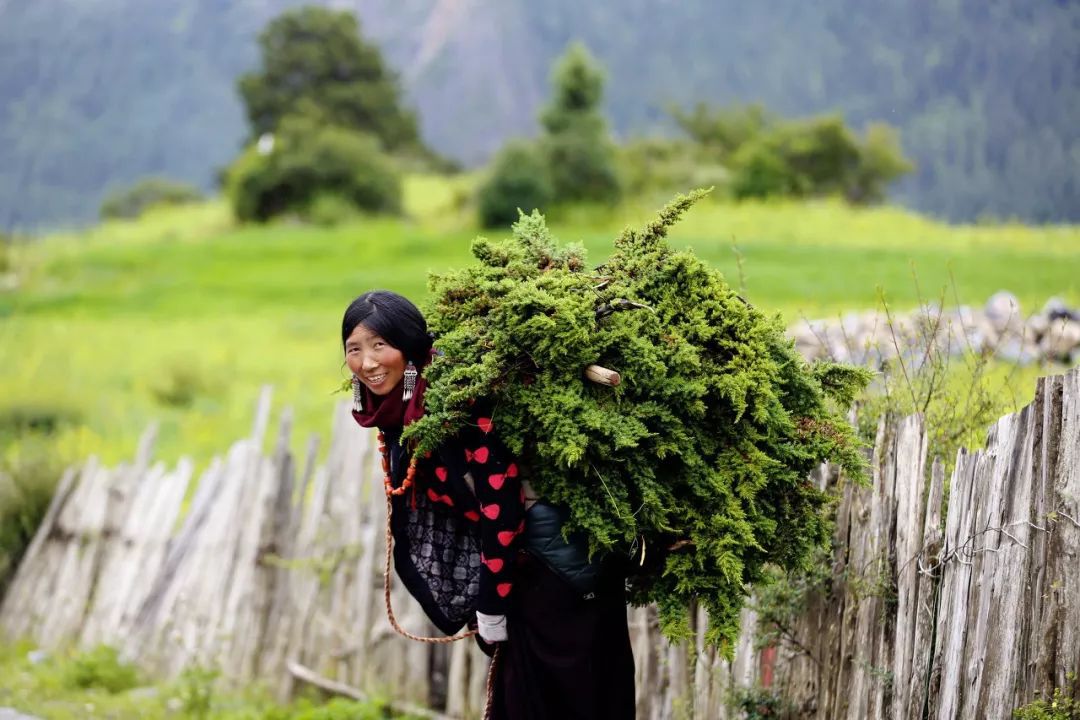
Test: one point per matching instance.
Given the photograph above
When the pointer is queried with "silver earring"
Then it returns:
(357, 395)
(410, 382)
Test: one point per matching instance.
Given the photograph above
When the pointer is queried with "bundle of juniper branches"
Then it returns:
(702, 453)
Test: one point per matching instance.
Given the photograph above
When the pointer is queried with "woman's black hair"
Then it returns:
(392, 317)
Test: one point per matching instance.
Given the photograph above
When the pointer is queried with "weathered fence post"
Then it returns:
(966, 615)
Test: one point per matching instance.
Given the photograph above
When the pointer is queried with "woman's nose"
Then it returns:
(369, 363)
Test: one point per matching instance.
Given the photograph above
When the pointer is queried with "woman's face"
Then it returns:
(378, 364)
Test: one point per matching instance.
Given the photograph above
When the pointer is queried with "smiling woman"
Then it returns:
(476, 547)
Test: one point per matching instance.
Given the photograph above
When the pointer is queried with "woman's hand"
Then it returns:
(491, 628)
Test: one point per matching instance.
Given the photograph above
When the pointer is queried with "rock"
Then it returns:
(1003, 311)
(1055, 309)
(1061, 341)
(1037, 325)
(1014, 348)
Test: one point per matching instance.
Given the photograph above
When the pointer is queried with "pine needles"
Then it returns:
(705, 446)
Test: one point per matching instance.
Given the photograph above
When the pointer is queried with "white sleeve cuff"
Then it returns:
(492, 628)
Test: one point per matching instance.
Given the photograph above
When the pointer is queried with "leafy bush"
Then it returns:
(196, 686)
(1062, 706)
(703, 447)
(518, 180)
(819, 156)
(579, 154)
(150, 192)
(315, 56)
(101, 668)
(306, 160)
(661, 165)
(724, 130)
(329, 209)
(958, 396)
(178, 385)
(25, 493)
(759, 703)
(29, 471)
(881, 160)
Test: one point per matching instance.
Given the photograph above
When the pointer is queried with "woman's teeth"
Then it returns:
(375, 380)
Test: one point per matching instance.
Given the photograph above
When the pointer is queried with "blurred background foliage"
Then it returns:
(985, 95)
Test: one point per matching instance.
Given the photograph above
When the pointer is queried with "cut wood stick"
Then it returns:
(602, 376)
(338, 688)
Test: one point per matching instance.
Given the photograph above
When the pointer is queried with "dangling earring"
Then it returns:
(357, 395)
(410, 382)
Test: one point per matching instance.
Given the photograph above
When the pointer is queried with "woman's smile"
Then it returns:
(378, 364)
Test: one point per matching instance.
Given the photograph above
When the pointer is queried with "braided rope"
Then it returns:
(433, 640)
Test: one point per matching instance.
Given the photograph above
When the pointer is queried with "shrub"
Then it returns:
(881, 161)
(180, 382)
(758, 703)
(150, 192)
(518, 181)
(307, 160)
(582, 163)
(1062, 706)
(723, 130)
(329, 209)
(579, 154)
(25, 492)
(196, 685)
(101, 668)
(660, 165)
(818, 157)
(29, 471)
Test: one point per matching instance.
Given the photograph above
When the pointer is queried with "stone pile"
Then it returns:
(999, 328)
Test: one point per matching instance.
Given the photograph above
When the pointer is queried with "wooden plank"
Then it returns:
(987, 561)
(922, 673)
(16, 609)
(1045, 454)
(909, 472)
(868, 561)
(1063, 566)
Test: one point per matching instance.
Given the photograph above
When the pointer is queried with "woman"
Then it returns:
(475, 546)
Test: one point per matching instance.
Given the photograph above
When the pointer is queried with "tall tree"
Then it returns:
(576, 143)
(314, 57)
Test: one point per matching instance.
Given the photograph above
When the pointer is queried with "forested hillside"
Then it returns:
(986, 93)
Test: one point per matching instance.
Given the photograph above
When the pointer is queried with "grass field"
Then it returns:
(180, 317)
(94, 684)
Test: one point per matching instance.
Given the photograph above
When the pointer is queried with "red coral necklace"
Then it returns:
(387, 482)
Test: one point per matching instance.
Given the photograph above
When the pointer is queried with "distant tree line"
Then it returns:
(329, 137)
(751, 153)
(985, 95)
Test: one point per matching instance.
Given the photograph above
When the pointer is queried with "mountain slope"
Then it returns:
(985, 92)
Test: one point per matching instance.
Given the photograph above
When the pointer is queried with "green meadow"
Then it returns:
(179, 318)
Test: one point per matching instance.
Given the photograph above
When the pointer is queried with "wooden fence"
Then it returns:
(275, 570)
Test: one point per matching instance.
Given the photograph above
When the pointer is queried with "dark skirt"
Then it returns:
(566, 658)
